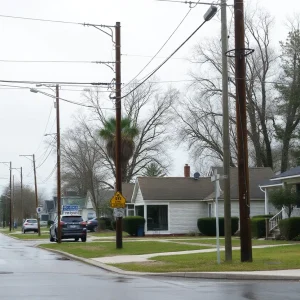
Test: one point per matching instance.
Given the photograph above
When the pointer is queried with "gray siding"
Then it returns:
(257, 207)
(183, 216)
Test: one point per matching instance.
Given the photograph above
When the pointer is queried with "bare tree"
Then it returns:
(149, 110)
(82, 163)
(202, 114)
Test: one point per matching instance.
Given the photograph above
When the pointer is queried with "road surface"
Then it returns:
(29, 273)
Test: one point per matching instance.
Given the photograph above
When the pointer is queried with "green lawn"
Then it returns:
(29, 236)
(98, 249)
(276, 258)
(235, 242)
(106, 234)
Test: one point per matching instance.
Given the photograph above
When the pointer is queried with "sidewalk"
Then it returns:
(103, 263)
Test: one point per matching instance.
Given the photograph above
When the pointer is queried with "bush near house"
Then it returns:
(113, 224)
(131, 224)
(258, 227)
(263, 216)
(207, 226)
(290, 228)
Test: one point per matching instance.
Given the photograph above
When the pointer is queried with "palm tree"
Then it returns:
(128, 133)
(154, 170)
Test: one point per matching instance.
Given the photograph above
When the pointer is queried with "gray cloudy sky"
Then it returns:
(146, 24)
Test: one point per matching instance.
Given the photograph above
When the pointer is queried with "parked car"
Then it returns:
(30, 225)
(92, 224)
(72, 227)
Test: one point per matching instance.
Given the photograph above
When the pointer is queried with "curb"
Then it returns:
(202, 275)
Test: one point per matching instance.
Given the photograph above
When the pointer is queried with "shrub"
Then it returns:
(207, 226)
(131, 224)
(263, 216)
(102, 224)
(49, 223)
(106, 223)
(258, 227)
(113, 224)
(290, 228)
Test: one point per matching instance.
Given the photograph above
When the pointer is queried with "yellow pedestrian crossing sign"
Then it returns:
(117, 201)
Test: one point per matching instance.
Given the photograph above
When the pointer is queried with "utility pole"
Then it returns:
(22, 208)
(241, 123)
(226, 139)
(119, 242)
(10, 196)
(36, 195)
(58, 166)
(12, 200)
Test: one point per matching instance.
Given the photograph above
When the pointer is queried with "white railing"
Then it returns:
(273, 222)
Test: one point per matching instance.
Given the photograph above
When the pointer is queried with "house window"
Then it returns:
(130, 210)
(139, 211)
(209, 210)
(157, 217)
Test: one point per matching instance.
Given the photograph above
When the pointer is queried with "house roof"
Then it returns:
(294, 172)
(175, 188)
(256, 177)
(127, 190)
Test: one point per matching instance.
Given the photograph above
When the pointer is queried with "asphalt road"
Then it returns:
(29, 273)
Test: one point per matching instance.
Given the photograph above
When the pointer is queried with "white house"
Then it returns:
(172, 205)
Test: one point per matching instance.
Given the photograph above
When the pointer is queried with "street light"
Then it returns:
(58, 154)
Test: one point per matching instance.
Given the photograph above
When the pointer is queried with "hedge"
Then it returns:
(263, 217)
(131, 224)
(258, 227)
(290, 228)
(207, 226)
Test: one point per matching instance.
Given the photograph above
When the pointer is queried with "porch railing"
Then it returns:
(273, 222)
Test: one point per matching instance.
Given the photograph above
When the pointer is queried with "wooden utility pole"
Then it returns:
(12, 200)
(10, 196)
(226, 139)
(119, 242)
(58, 166)
(22, 207)
(241, 123)
(36, 196)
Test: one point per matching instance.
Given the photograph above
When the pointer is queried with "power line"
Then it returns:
(54, 21)
(56, 82)
(55, 61)
(161, 46)
(17, 87)
(146, 56)
(49, 176)
(45, 128)
(156, 69)
(191, 2)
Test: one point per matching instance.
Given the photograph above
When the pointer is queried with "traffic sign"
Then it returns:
(118, 212)
(117, 201)
(39, 210)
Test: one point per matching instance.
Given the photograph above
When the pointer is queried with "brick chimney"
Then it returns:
(187, 171)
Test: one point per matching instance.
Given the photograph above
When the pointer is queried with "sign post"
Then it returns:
(215, 178)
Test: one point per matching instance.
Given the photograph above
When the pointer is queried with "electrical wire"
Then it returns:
(146, 56)
(164, 44)
(49, 176)
(45, 128)
(15, 87)
(55, 82)
(54, 21)
(52, 61)
(157, 68)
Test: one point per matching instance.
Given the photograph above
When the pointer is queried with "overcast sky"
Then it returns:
(146, 24)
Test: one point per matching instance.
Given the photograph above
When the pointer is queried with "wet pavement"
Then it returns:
(30, 273)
